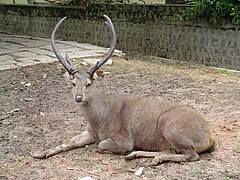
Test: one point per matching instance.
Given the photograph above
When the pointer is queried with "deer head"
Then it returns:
(82, 82)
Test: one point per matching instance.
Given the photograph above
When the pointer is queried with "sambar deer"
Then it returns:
(164, 130)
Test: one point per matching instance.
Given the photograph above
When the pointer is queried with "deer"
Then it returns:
(138, 127)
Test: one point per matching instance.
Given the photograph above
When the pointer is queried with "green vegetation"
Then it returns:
(226, 72)
(213, 10)
(236, 149)
(235, 13)
(70, 2)
(87, 2)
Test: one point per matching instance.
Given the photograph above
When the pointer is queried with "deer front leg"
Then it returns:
(188, 155)
(116, 146)
(146, 154)
(77, 141)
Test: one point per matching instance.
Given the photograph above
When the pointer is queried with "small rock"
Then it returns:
(85, 178)
(28, 84)
(106, 73)
(28, 99)
(42, 114)
(84, 63)
(44, 76)
(119, 53)
(139, 171)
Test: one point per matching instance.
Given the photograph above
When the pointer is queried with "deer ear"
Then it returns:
(67, 76)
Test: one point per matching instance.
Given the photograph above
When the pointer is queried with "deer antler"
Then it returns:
(92, 70)
(66, 62)
(68, 65)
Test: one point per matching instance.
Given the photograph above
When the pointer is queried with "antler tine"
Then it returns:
(92, 70)
(68, 65)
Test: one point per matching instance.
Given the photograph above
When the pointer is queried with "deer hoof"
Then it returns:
(156, 160)
(132, 155)
(38, 155)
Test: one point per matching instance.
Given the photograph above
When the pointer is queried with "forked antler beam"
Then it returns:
(92, 70)
(68, 65)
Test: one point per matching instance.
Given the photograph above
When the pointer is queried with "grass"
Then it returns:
(236, 149)
(228, 72)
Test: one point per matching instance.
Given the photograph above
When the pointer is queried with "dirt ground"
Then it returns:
(37, 112)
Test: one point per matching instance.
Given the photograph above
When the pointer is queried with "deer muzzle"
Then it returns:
(78, 98)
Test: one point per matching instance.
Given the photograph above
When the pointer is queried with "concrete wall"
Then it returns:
(141, 29)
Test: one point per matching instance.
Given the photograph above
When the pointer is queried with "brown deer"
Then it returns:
(164, 130)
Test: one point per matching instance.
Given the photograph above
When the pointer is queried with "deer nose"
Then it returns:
(78, 98)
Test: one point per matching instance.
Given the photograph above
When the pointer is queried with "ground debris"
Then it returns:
(85, 178)
(29, 129)
(28, 99)
(26, 84)
(14, 110)
(139, 171)
(4, 116)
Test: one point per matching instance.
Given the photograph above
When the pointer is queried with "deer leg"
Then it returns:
(115, 147)
(188, 155)
(145, 154)
(77, 141)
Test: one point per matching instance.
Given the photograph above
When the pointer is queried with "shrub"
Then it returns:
(213, 10)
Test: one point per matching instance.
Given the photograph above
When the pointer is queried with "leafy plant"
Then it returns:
(213, 10)
(85, 2)
(70, 2)
(236, 149)
(236, 14)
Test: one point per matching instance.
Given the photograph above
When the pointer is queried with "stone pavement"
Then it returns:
(19, 51)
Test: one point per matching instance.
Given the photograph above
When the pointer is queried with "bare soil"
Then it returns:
(40, 115)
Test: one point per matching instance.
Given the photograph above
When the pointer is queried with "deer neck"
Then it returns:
(94, 108)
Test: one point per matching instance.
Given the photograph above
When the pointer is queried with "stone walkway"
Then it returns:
(19, 51)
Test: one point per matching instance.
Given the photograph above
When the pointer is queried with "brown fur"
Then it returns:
(161, 129)
(122, 123)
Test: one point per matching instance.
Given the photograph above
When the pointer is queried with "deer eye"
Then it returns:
(74, 84)
(88, 85)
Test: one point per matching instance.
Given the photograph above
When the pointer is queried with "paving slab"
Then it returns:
(39, 51)
(13, 46)
(45, 58)
(27, 61)
(5, 58)
(92, 61)
(35, 43)
(83, 54)
(4, 45)
(24, 54)
(7, 66)
(20, 51)
(6, 51)
(73, 49)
